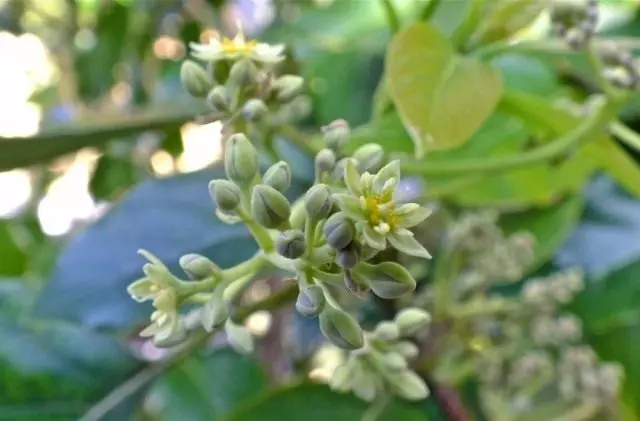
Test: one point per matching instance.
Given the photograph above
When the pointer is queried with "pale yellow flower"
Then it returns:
(235, 48)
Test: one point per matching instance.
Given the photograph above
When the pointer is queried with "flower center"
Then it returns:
(238, 45)
(381, 210)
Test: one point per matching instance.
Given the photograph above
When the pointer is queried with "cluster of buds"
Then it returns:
(574, 20)
(621, 69)
(381, 366)
(239, 81)
(545, 294)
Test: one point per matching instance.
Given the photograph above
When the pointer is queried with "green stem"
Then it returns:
(598, 69)
(583, 412)
(563, 144)
(429, 9)
(298, 138)
(260, 233)
(464, 30)
(392, 15)
(627, 135)
(446, 271)
(246, 268)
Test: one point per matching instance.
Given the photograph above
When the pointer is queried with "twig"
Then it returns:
(392, 15)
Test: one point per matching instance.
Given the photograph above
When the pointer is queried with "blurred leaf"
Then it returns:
(54, 371)
(442, 98)
(111, 177)
(314, 402)
(169, 217)
(172, 142)
(550, 226)
(18, 152)
(506, 18)
(527, 74)
(95, 67)
(13, 260)
(607, 236)
(207, 388)
(604, 152)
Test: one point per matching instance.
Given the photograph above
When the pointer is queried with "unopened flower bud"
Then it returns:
(325, 161)
(407, 349)
(387, 331)
(291, 244)
(341, 329)
(269, 207)
(218, 98)
(349, 256)
(338, 170)
(199, 267)
(195, 79)
(214, 313)
(288, 87)
(225, 194)
(310, 301)
(240, 159)
(177, 336)
(411, 320)
(341, 378)
(339, 231)
(409, 385)
(243, 73)
(394, 361)
(318, 202)
(278, 176)
(387, 280)
(239, 337)
(370, 157)
(254, 110)
(336, 134)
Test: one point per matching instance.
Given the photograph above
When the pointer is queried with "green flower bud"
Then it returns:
(278, 176)
(243, 73)
(336, 134)
(411, 320)
(318, 202)
(364, 383)
(195, 79)
(325, 161)
(240, 159)
(269, 207)
(387, 280)
(341, 378)
(394, 361)
(408, 385)
(291, 244)
(354, 287)
(406, 349)
(349, 256)
(214, 313)
(176, 337)
(338, 170)
(370, 157)
(254, 110)
(288, 87)
(199, 267)
(218, 99)
(341, 329)
(310, 301)
(225, 194)
(339, 231)
(387, 331)
(239, 337)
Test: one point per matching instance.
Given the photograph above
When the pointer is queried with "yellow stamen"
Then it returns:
(378, 216)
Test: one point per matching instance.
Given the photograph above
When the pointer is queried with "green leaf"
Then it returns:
(550, 226)
(13, 260)
(112, 176)
(314, 402)
(442, 98)
(170, 217)
(208, 387)
(506, 18)
(94, 130)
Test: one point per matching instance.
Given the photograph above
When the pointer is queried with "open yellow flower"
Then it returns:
(220, 48)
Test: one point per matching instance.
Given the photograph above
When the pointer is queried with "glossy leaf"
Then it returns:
(442, 98)
(170, 217)
(207, 387)
(314, 402)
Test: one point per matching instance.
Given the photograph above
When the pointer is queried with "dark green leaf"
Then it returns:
(442, 98)
(207, 388)
(170, 217)
(111, 177)
(13, 260)
(314, 402)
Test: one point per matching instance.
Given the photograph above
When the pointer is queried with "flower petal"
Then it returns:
(350, 205)
(352, 178)
(374, 238)
(404, 241)
(142, 290)
(411, 214)
(386, 173)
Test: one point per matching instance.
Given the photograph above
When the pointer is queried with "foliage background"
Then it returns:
(100, 157)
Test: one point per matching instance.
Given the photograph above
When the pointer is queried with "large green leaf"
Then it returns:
(550, 226)
(170, 217)
(314, 402)
(51, 371)
(13, 260)
(208, 387)
(443, 98)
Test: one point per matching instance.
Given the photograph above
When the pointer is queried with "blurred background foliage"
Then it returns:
(101, 154)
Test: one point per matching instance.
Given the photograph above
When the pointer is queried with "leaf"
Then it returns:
(112, 176)
(54, 371)
(442, 98)
(13, 260)
(506, 18)
(604, 152)
(550, 226)
(94, 130)
(314, 402)
(170, 217)
(206, 388)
